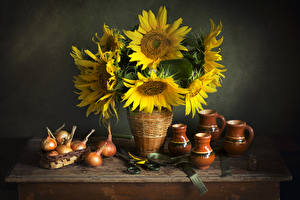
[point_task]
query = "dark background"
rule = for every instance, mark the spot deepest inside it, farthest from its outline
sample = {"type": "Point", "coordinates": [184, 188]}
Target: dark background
{"type": "Point", "coordinates": [260, 51]}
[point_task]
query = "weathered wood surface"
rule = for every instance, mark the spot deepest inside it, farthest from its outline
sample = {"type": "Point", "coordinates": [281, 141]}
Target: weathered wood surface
{"type": "Point", "coordinates": [270, 168]}
{"type": "Point", "coordinates": [153, 191]}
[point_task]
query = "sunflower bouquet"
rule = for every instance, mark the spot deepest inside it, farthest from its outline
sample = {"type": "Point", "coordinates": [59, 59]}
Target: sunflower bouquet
{"type": "Point", "coordinates": [156, 66]}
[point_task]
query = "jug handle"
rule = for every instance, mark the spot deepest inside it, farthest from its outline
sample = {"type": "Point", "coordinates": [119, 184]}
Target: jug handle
{"type": "Point", "coordinates": [251, 134]}
{"type": "Point", "coordinates": [223, 122]}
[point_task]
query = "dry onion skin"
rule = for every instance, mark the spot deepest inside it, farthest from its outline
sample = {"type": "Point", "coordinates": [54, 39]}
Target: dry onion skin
{"type": "Point", "coordinates": [49, 143]}
{"type": "Point", "coordinates": [61, 135]}
{"type": "Point", "coordinates": [81, 145]}
{"type": "Point", "coordinates": [109, 147]}
{"type": "Point", "coordinates": [94, 159]}
{"type": "Point", "coordinates": [66, 148]}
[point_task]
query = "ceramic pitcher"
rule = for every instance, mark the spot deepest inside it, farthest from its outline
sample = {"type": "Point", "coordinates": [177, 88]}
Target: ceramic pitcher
{"type": "Point", "coordinates": [179, 143]}
{"type": "Point", "coordinates": [235, 142]}
{"type": "Point", "coordinates": [208, 123]}
{"type": "Point", "coordinates": [202, 154]}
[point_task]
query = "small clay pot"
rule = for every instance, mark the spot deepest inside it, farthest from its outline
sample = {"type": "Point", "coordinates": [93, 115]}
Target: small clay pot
{"type": "Point", "coordinates": [235, 142]}
{"type": "Point", "coordinates": [179, 143]}
{"type": "Point", "coordinates": [208, 123]}
{"type": "Point", "coordinates": [202, 154]}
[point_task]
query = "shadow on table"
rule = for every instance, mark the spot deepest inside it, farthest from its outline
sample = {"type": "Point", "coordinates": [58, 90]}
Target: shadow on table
{"type": "Point", "coordinates": [289, 147]}
{"type": "Point", "coordinates": [10, 150]}
{"type": "Point", "coordinates": [290, 189]}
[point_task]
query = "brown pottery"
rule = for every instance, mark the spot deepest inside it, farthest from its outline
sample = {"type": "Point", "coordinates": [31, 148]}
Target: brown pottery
{"type": "Point", "coordinates": [179, 143]}
{"type": "Point", "coordinates": [202, 154]}
{"type": "Point", "coordinates": [235, 142]}
{"type": "Point", "coordinates": [208, 123]}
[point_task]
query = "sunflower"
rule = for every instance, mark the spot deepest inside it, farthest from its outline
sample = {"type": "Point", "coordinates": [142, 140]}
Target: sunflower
{"type": "Point", "coordinates": [198, 90]}
{"type": "Point", "coordinates": [111, 40]}
{"type": "Point", "coordinates": [211, 57]}
{"type": "Point", "coordinates": [96, 82]}
{"type": "Point", "coordinates": [155, 41]}
{"type": "Point", "coordinates": [153, 91]}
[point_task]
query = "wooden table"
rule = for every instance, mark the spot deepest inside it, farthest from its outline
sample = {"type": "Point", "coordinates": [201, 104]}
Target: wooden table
{"type": "Point", "coordinates": [110, 182]}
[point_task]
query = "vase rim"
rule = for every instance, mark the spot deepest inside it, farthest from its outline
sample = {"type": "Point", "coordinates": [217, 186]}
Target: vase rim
{"type": "Point", "coordinates": [207, 112]}
{"type": "Point", "coordinates": [203, 135]}
{"type": "Point", "coordinates": [235, 122]}
{"type": "Point", "coordinates": [179, 125]}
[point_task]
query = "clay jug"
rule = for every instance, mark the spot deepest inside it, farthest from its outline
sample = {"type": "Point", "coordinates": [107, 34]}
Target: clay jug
{"type": "Point", "coordinates": [208, 123]}
{"type": "Point", "coordinates": [179, 143]}
{"type": "Point", "coordinates": [202, 154]}
{"type": "Point", "coordinates": [235, 142]}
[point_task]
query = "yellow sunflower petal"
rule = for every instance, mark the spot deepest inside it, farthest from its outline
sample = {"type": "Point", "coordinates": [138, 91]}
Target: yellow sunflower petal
{"type": "Point", "coordinates": [76, 53]}
{"type": "Point", "coordinates": [90, 109]}
{"type": "Point", "coordinates": [129, 80]}
{"type": "Point", "coordinates": [174, 26]}
{"type": "Point", "coordinates": [86, 63]}
{"type": "Point", "coordinates": [187, 106]}
{"type": "Point", "coordinates": [127, 85]}
{"type": "Point", "coordinates": [134, 35]}
{"type": "Point", "coordinates": [141, 77]}
{"type": "Point", "coordinates": [152, 20]}
{"type": "Point", "coordinates": [143, 103]}
{"type": "Point", "coordinates": [106, 96]}
{"type": "Point", "coordinates": [136, 102]}
{"type": "Point", "coordinates": [144, 21]}
{"type": "Point", "coordinates": [162, 17]}
{"type": "Point", "coordinates": [141, 30]}
{"type": "Point", "coordinates": [128, 94]}
{"type": "Point", "coordinates": [91, 55]}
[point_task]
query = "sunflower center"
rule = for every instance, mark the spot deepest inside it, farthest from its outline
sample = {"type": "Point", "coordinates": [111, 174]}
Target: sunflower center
{"type": "Point", "coordinates": [103, 77]}
{"type": "Point", "coordinates": [154, 45]}
{"type": "Point", "coordinates": [111, 45]}
{"type": "Point", "coordinates": [152, 88]}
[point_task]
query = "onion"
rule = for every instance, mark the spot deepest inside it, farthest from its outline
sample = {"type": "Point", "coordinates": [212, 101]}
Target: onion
{"type": "Point", "coordinates": [66, 148]}
{"type": "Point", "coordinates": [80, 145]}
{"type": "Point", "coordinates": [94, 159]}
{"type": "Point", "coordinates": [62, 136]}
{"type": "Point", "coordinates": [110, 148]}
{"type": "Point", "coordinates": [49, 143]}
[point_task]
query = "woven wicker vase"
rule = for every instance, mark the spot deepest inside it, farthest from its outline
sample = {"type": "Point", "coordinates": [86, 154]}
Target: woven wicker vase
{"type": "Point", "coordinates": [149, 130]}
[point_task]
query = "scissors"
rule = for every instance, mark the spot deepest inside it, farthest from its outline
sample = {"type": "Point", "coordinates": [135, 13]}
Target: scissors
{"type": "Point", "coordinates": [134, 162]}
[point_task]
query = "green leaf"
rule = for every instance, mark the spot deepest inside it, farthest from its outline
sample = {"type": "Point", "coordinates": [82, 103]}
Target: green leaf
{"type": "Point", "coordinates": [119, 85]}
{"type": "Point", "coordinates": [190, 42]}
{"type": "Point", "coordinates": [195, 57]}
{"type": "Point", "coordinates": [181, 69]}
{"type": "Point", "coordinates": [130, 75]}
